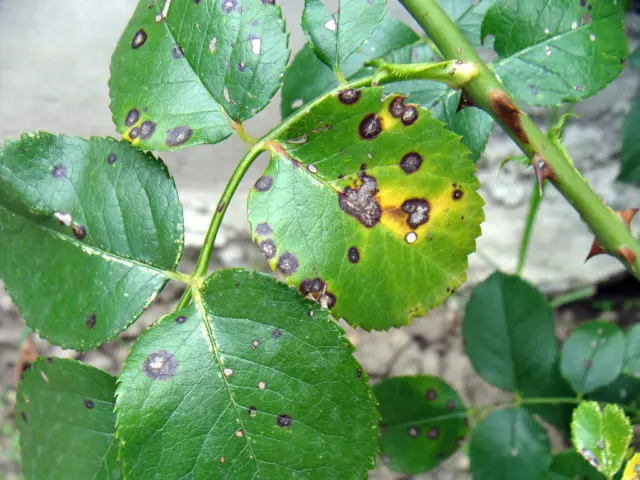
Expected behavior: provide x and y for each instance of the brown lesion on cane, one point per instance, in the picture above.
(542, 170)
(508, 113)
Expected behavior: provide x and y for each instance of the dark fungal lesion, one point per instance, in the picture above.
(139, 39)
(349, 96)
(417, 210)
(268, 248)
(316, 288)
(178, 136)
(160, 365)
(288, 263)
(361, 202)
(411, 162)
(264, 183)
(370, 126)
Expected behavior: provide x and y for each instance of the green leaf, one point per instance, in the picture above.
(571, 465)
(508, 332)
(632, 359)
(557, 51)
(634, 58)
(632, 469)
(624, 390)
(64, 412)
(630, 152)
(601, 435)
(334, 37)
(89, 230)
(468, 17)
(357, 208)
(183, 72)
(509, 444)
(593, 356)
(251, 381)
(424, 422)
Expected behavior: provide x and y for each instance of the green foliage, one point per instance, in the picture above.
(601, 435)
(509, 444)
(630, 151)
(64, 412)
(423, 422)
(593, 356)
(250, 381)
(632, 359)
(356, 174)
(182, 77)
(557, 51)
(569, 464)
(89, 230)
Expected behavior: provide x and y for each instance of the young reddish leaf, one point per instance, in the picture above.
(184, 71)
(64, 412)
(251, 381)
(369, 206)
(90, 231)
(423, 422)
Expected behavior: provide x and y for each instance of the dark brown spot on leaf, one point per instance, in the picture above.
(264, 183)
(177, 52)
(268, 249)
(311, 285)
(181, 319)
(23, 414)
(353, 254)
(178, 136)
(146, 129)
(434, 433)
(79, 231)
(411, 162)
(284, 421)
(160, 365)
(263, 229)
(359, 373)
(457, 194)
(396, 107)
(288, 263)
(370, 126)
(431, 394)
(253, 411)
(59, 171)
(410, 115)
(229, 5)
(89, 404)
(132, 117)
(417, 210)
(134, 133)
(361, 202)
(112, 158)
(349, 96)
(138, 39)
(90, 322)
(277, 333)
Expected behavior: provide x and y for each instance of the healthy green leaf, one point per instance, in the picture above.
(624, 390)
(423, 422)
(64, 411)
(601, 435)
(183, 72)
(630, 151)
(632, 359)
(593, 356)
(468, 16)
(509, 444)
(362, 198)
(508, 332)
(556, 51)
(571, 465)
(251, 381)
(334, 37)
(89, 231)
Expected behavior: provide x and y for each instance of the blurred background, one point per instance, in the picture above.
(54, 67)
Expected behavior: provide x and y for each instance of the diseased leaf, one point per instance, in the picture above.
(555, 51)
(250, 381)
(369, 206)
(64, 412)
(508, 333)
(571, 465)
(593, 356)
(630, 151)
(89, 232)
(601, 435)
(334, 37)
(632, 470)
(424, 422)
(509, 444)
(183, 72)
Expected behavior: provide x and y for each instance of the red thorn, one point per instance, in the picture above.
(627, 215)
(627, 254)
(543, 170)
(596, 249)
(465, 101)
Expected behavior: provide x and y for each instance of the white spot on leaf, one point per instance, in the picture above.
(331, 25)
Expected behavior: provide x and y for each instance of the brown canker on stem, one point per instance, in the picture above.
(465, 101)
(625, 252)
(508, 113)
(542, 169)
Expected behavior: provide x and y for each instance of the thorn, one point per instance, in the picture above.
(543, 170)
(627, 254)
(508, 113)
(465, 101)
(596, 249)
(627, 215)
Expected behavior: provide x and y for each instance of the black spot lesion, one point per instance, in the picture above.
(59, 171)
(288, 263)
(349, 96)
(112, 158)
(268, 249)
(160, 365)
(263, 229)
(316, 288)
(264, 183)
(177, 52)
(396, 107)
(79, 231)
(228, 6)
(284, 421)
(353, 254)
(89, 404)
(411, 162)
(417, 210)
(132, 117)
(457, 194)
(178, 136)
(407, 113)
(139, 39)
(370, 126)
(361, 202)
(90, 322)
(147, 129)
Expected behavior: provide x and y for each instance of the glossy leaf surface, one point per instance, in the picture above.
(468, 16)
(251, 381)
(183, 71)
(88, 231)
(556, 51)
(508, 333)
(630, 152)
(593, 356)
(601, 435)
(369, 206)
(64, 411)
(632, 358)
(570, 465)
(509, 444)
(424, 422)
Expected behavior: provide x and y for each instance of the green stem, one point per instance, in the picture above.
(571, 297)
(534, 205)
(489, 94)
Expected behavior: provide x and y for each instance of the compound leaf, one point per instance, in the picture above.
(509, 444)
(630, 151)
(64, 412)
(423, 422)
(183, 72)
(334, 37)
(508, 333)
(593, 356)
(368, 205)
(556, 51)
(601, 435)
(89, 232)
(251, 381)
